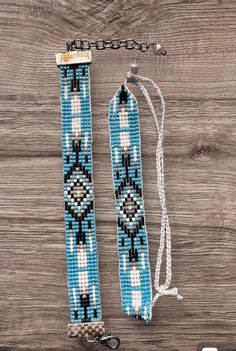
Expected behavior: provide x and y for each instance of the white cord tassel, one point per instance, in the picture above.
(165, 237)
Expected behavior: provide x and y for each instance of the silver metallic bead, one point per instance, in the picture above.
(158, 49)
(134, 66)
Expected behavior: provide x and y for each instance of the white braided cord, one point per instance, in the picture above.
(165, 233)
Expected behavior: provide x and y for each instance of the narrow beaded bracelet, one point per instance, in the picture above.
(135, 277)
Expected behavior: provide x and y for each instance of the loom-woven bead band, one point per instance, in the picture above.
(81, 247)
(135, 277)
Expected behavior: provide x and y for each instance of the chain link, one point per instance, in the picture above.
(100, 44)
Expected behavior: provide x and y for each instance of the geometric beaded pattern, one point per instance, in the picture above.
(81, 247)
(134, 266)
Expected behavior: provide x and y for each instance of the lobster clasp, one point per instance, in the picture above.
(110, 341)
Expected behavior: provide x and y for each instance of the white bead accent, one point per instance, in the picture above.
(67, 144)
(116, 155)
(123, 116)
(94, 295)
(90, 241)
(86, 140)
(136, 300)
(76, 128)
(75, 103)
(82, 256)
(124, 139)
(65, 90)
(135, 277)
(131, 104)
(74, 297)
(135, 153)
(83, 282)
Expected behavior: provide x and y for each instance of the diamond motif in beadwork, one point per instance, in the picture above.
(130, 206)
(78, 192)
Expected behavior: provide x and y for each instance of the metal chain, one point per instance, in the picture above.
(129, 44)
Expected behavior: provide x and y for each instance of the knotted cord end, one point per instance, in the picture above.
(161, 291)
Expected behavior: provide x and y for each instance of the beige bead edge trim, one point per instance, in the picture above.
(86, 329)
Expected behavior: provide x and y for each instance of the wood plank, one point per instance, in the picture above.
(198, 81)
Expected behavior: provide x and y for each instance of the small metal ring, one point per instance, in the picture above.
(93, 44)
(113, 343)
(86, 44)
(129, 44)
(107, 44)
(123, 43)
(143, 47)
(136, 45)
(115, 44)
(79, 45)
(100, 44)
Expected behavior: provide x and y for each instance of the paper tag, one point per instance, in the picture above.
(73, 57)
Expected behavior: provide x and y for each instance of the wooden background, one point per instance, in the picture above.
(198, 80)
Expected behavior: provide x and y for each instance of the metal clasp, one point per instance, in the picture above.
(108, 340)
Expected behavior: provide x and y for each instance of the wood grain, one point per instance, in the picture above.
(198, 80)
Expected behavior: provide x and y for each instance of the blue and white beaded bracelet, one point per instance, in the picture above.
(81, 247)
(135, 277)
